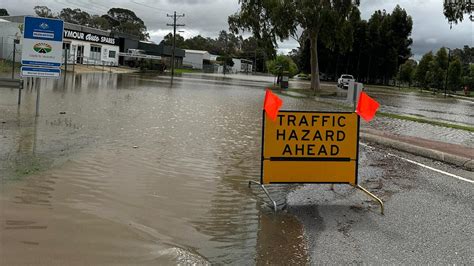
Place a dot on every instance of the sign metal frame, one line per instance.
(356, 161)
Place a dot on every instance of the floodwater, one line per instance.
(451, 110)
(142, 172)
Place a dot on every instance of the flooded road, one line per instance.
(451, 110)
(147, 173)
(142, 172)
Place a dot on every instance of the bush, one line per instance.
(281, 64)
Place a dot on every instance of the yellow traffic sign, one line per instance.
(310, 147)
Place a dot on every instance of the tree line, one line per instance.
(450, 69)
(332, 37)
(328, 22)
(118, 20)
(227, 45)
(372, 50)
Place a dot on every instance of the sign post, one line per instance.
(311, 147)
(42, 49)
(353, 91)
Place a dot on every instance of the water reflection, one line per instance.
(167, 164)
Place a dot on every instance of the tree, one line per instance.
(228, 43)
(269, 19)
(199, 43)
(371, 50)
(126, 21)
(168, 40)
(99, 22)
(421, 74)
(466, 55)
(438, 69)
(407, 72)
(401, 27)
(4, 12)
(281, 64)
(454, 10)
(455, 75)
(75, 16)
(43, 11)
(468, 79)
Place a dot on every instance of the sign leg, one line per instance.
(37, 100)
(266, 192)
(372, 196)
(19, 91)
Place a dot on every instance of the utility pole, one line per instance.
(174, 25)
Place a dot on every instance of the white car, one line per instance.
(343, 81)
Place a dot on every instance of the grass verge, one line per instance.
(425, 121)
(6, 66)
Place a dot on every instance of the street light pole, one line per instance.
(447, 73)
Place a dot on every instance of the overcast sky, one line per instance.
(207, 17)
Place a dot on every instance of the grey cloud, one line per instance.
(208, 17)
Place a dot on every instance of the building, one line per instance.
(9, 32)
(90, 46)
(84, 45)
(129, 44)
(242, 65)
(196, 59)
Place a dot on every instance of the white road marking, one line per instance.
(425, 166)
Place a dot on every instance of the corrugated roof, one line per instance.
(195, 51)
(71, 26)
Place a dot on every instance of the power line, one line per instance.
(174, 25)
(152, 7)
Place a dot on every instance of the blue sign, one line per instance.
(43, 29)
(42, 42)
(37, 63)
(40, 72)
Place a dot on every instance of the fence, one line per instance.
(6, 49)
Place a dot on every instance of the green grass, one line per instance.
(425, 121)
(6, 66)
(417, 90)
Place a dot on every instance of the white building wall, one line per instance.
(241, 66)
(87, 56)
(237, 65)
(8, 32)
(195, 58)
(107, 57)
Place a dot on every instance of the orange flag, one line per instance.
(366, 107)
(272, 104)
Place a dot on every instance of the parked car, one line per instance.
(302, 76)
(343, 81)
